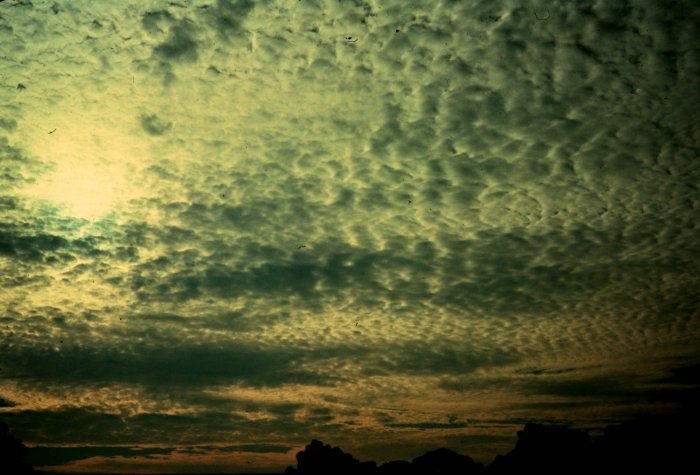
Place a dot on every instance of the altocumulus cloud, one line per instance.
(267, 221)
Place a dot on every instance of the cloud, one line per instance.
(682, 375)
(464, 198)
(30, 247)
(8, 124)
(154, 125)
(73, 425)
(47, 456)
(595, 387)
(5, 403)
(227, 16)
(264, 448)
(17, 168)
(154, 22)
(180, 46)
(201, 365)
(197, 365)
(67, 426)
(428, 425)
(418, 357)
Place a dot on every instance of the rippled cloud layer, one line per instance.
(229, 226)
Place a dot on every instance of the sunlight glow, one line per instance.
(85, 191)
(86, 179)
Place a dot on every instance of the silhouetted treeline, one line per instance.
(318, 458)
(12, 452)
(655, 446)
(652, 446)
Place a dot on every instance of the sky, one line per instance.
(230, 226)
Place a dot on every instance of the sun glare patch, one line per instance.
(84, 179)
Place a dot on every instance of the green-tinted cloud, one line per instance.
(270, 221)
(154, 125)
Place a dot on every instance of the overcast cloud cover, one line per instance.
(229, 226)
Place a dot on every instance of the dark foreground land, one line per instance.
(657, 445)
